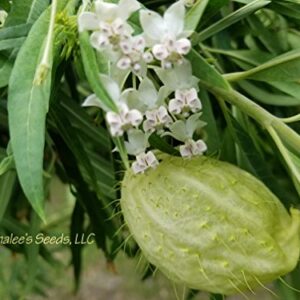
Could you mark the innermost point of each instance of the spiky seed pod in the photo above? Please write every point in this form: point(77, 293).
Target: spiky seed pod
point(210, 225)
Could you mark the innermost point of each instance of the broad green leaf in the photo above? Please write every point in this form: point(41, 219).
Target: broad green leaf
point(194, 15)
point(232, 18)
point(25, 11)
point(28, 97)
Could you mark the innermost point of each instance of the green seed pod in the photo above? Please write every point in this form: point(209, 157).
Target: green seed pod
point(210, 225)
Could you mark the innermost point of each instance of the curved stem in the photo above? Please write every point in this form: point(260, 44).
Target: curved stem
point(284, 152)
point(262, 116)
point(292, 119)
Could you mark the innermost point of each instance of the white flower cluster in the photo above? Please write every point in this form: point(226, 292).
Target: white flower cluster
point(171, 109)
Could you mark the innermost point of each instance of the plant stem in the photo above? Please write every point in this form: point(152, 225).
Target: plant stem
point(262, 116)
point(292, 119)
point(284, 152)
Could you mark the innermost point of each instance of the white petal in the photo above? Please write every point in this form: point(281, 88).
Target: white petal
point(174, 18)
point(180, 95)
point(139, 43)
point(162, 114)
point(185, 151)
point(152, 24)
point(112, 88)
point(106, 11)
point(113, 118)
point(127, 7)
point(183, 46)
point(87, 21)
point(124, 63)
point(148, 57)
point(148, 126)
point(175, 106)
point(99, 40)
point(151, 115)
point(92, 100)
point(200, 147)
point(151, 159)
point(119, 27)
point(166, 65)
point(137, 168)
point(126, 46)
point(106, 29)
point(148, 93)
point(160, 52)
point(134, 117)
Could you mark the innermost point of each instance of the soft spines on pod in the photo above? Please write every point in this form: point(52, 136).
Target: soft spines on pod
point(210, 225)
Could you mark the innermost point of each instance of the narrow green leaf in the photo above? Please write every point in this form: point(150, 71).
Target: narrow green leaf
point(14, 31)
point(232, 18)
point(11, 43)
point(213, 139)
point(6, 164)
point(285, 67)
point(203, 70)
point(266, 97)
point(194, 15)
point(7, 184)
point(77, 229)
point(25, 11)
point(6, 66)
point(158, 143)
point(92, 71)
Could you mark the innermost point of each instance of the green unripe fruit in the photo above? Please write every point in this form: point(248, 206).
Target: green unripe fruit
point(210, 225)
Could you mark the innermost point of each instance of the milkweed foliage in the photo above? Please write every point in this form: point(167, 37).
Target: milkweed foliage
point(245, 68)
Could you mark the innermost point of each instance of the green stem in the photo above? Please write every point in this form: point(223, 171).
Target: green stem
point(262, 116)
point(292, 119)
point(284, 152)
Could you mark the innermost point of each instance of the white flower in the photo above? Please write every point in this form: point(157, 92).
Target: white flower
point(144, 161)
point(3, 16)
point(185, 101)
point(108, 22)
point(166, 34)
point(192, 148)
point(157, 119)
point(126, 117)
point(123, 120)
point(134, 56)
